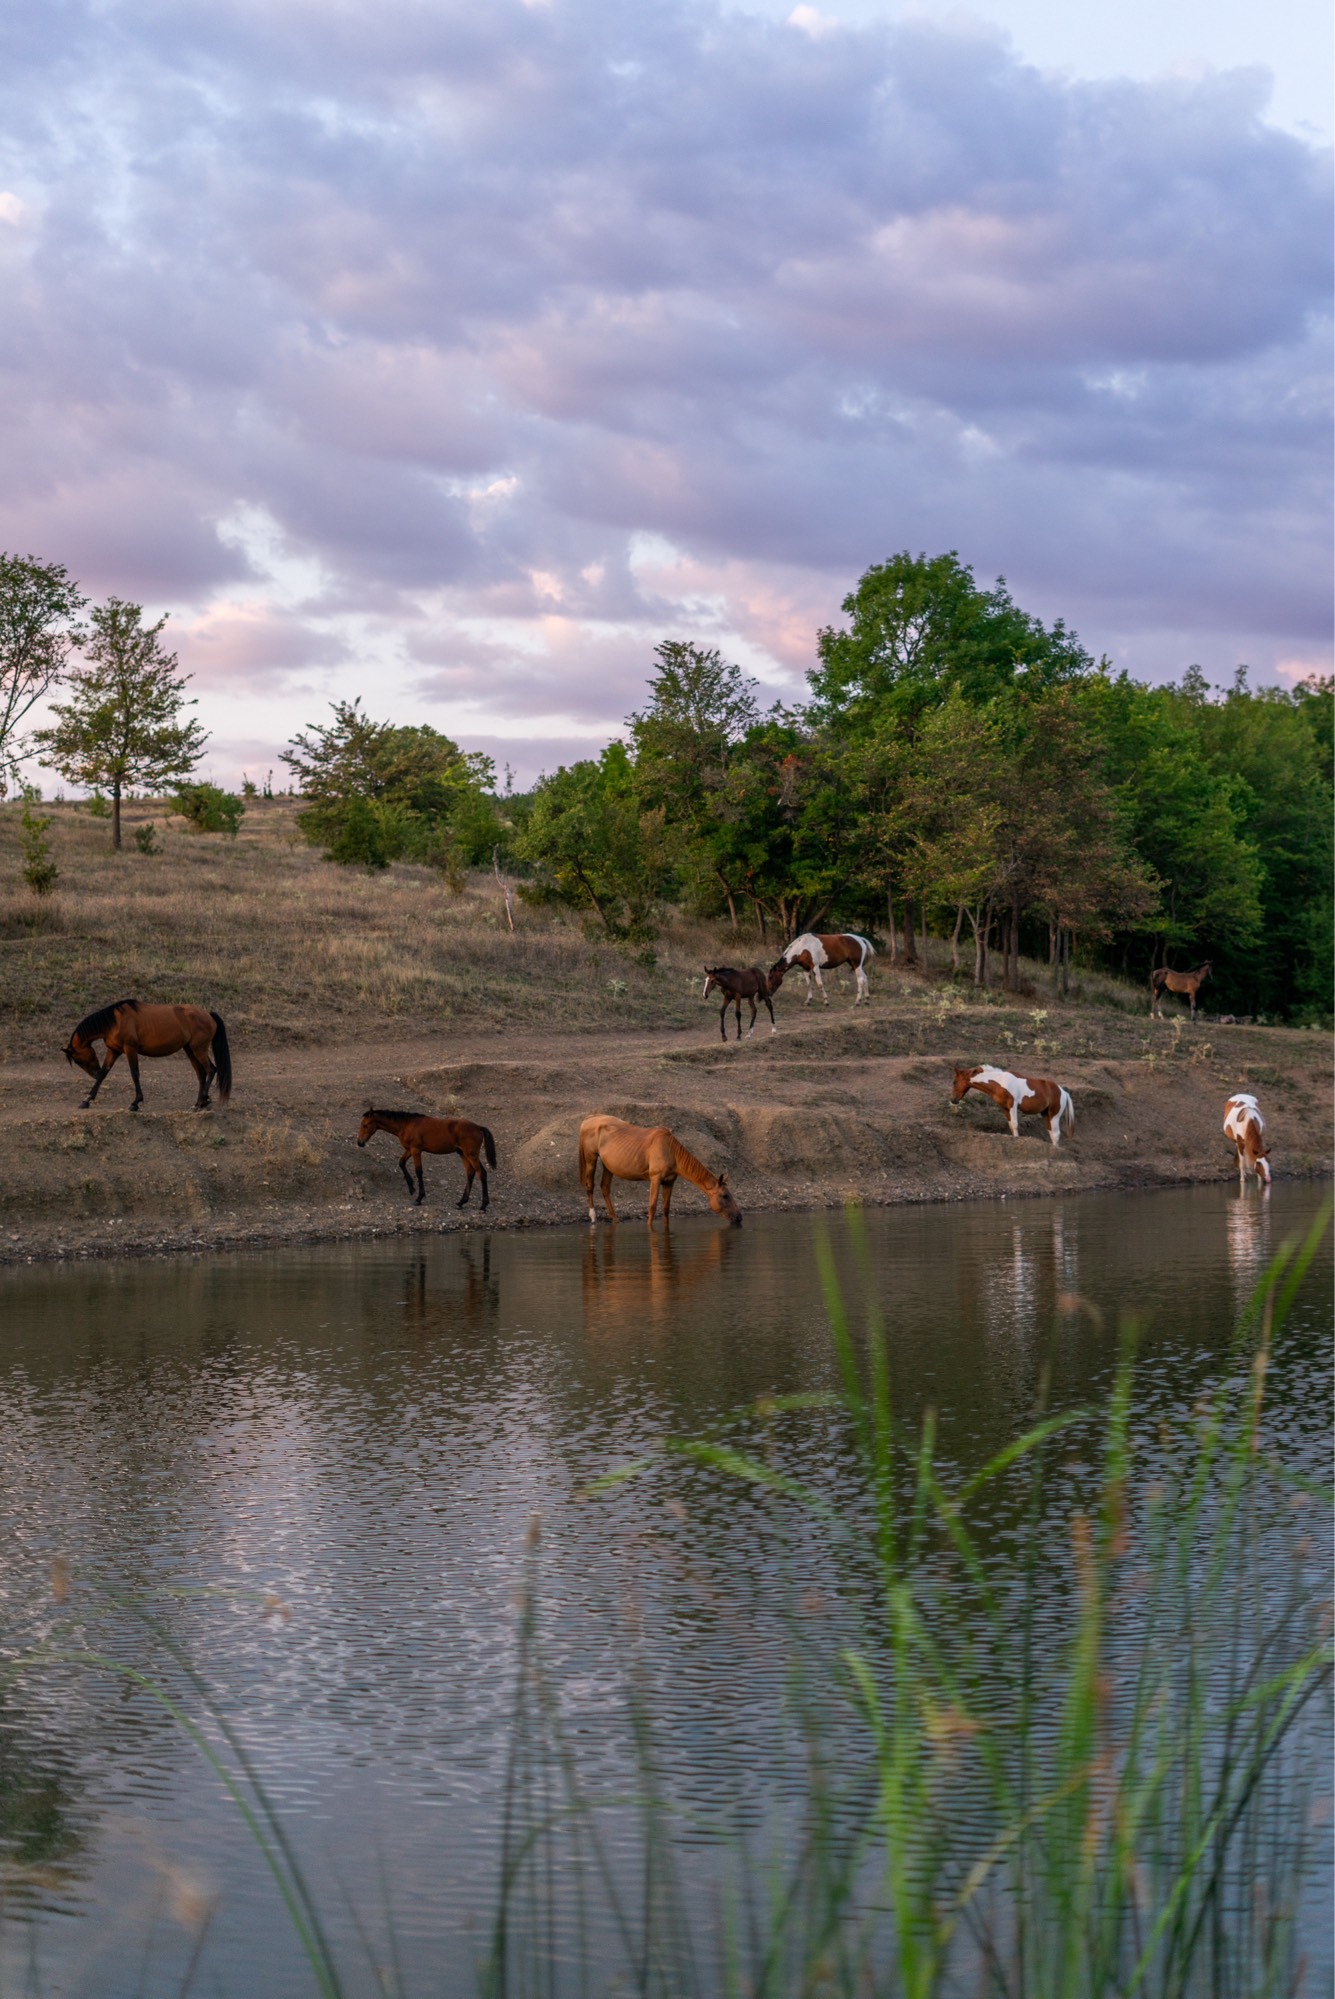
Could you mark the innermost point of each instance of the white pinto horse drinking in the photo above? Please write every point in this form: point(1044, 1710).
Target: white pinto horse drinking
point(1244, 1124)
point(1036, 1096)
point(812, 955)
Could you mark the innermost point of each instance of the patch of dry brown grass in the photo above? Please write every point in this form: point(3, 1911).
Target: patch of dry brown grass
point(282, 942)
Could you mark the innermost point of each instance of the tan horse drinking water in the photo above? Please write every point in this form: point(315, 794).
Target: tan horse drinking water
point(643, 1152)
point(133, 1028)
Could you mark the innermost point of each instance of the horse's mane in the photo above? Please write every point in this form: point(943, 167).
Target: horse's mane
point(393, 1118)
point(97, 1023)
point(692, 1168)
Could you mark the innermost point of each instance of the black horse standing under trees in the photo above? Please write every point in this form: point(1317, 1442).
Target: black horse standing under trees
point(752, 985)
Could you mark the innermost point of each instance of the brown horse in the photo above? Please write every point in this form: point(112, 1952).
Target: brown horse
point(810, 954)
point(1190, 983)
point(751, 985)
point(1034, 1095)
point(417, 1134)
point(1244, 1124)
point(133, 1028)
point(642, 1152)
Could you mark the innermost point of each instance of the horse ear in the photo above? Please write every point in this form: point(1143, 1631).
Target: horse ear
point(723, 1179)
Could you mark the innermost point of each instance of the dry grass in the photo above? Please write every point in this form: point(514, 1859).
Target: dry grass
point(281, 941)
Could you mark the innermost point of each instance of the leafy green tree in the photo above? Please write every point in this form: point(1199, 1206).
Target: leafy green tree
point(376, 792)
point(39, 869)
point(920, 625)
point(592, 845)
point(39, 612)
point(122, 726)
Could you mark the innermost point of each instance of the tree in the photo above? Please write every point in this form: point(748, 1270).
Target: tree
point(123, 725)
point(685, 744)
point(376, 792)
point(39, 609)
point(592, 845)
point(920, 625)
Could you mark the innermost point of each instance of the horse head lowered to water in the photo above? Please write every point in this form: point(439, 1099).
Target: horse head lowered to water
point(1244, 1124)
point(646, 1152)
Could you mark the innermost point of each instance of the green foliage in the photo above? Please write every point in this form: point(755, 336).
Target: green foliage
point(39, 612)
point(146, 838)
point(97, 807)
point(377, 793)
point(123, 725)
point(592, 844)
point(39, 870)
point(207, 808)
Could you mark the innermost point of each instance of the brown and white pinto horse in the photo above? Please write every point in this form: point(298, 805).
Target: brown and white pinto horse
point(1034, 1095)
point(1190, 983)
point(132, 1028)
point(1244, 1124)
point(812, 955)
point(644, 1152)
point(752, 984)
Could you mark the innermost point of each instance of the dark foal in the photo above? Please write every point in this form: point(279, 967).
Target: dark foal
point(753, 984)
point(418, 1134)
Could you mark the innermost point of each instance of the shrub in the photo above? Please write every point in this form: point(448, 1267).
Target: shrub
point(39, 870)
point(146, 838)
point(207, 808)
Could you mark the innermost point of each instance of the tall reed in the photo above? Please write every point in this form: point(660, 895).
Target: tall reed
point(1042, 1766)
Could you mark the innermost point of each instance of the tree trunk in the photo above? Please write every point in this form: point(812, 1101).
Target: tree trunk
point(955, 939)
point(922, 915)
point(910, 949)
point(116, 815)
point(890, 918)
point(977, 929)
point(732, 907)
point(984, 936)
point(1013, 951)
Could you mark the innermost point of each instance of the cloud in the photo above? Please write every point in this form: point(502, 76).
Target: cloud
point(534, 334)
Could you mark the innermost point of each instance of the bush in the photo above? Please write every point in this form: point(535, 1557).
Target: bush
point(39, 870)
point(146, 838)
point(359, 838)
point(207, 808)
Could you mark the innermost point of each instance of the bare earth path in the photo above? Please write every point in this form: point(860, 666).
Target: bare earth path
point(841, 1104)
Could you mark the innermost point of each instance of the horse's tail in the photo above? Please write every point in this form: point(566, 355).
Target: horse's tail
point(868, 948)
point(588, 1162)
point(1065, 1111)
point(222, 1056)
point(490, 1144)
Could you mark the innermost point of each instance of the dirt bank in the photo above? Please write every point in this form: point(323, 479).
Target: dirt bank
point(839, 1105)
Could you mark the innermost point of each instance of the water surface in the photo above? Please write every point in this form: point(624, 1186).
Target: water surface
point(366, 1433)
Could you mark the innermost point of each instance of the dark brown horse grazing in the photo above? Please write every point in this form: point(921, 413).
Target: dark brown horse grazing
point(752, 984)
point(418, 1134)
point(133, 1028)
point(809, 953)
point(646, 1152)
point(1190, 983)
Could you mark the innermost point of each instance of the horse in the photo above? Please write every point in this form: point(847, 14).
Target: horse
point(418, 1133)
point(132, 1028)
point(641, 1152)
point(1244, 1124)
point(1034, 1095)
point(752, 985)
point(810, 954)
point(1190, 983)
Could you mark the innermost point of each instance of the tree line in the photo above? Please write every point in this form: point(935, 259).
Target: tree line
point(959, 768)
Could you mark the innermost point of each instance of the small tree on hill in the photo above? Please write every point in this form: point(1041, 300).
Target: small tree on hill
point(39, 607)
point(123, 725)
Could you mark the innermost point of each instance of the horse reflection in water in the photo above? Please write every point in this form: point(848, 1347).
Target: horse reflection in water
point(432, 1301)
point(1247, 1224)
point(645, 1276)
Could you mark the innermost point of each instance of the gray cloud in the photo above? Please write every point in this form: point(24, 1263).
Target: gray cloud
point(466, 303)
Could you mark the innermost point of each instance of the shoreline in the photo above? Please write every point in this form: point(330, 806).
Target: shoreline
point(841, 1106)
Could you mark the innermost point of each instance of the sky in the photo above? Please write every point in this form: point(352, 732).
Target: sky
point(453, 356)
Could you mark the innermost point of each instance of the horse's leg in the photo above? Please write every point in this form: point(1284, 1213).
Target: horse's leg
point(421, 1183)
point(403, 1168)
point(132, 1063)
point(825, 997)
point(486, 1197)
point(668, 1185)
point(737, 1008)
point(751, 1002)
point(723, 1019)
point(471, 1168)
point(607, 1191)
point(102, 1075)
point(769, 1004)
point(656, 1179)
point(807, 976)
point(203, 1072)
point(1014, 1115)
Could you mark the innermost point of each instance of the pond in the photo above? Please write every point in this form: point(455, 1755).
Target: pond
point(335, 1455)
